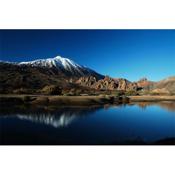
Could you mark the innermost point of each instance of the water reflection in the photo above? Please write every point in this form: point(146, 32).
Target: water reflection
point(167, 105)
point(49, 119)
point(133, 123)
point(55, 117)
point(62, 117)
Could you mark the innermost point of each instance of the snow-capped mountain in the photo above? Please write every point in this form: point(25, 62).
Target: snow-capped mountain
point(40, 73)
point(64, 65)
point(57, 62)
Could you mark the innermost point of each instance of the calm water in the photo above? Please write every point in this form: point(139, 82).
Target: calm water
point(141, 123)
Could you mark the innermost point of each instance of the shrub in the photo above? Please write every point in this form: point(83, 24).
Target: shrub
point(130, 93)
point(78, 92)
point(26, 98)
point(118, 93)
point(22, 91)
point(52, 90)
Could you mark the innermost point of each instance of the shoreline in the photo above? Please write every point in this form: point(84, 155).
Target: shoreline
point(49, 100)
point(54, 100)
point(148, 98)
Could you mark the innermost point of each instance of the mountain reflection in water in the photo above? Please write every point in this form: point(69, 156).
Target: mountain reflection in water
point(59, 117)
point(170, 106)
point(62, 117)
point(128, 124)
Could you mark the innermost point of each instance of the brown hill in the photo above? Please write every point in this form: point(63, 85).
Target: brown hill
point(145, 83)
point(20, 78)
point(107, 83)
point(33, 79)
point(166, 86)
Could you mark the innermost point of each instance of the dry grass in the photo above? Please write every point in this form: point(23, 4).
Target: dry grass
point(58, 100)
point(75, 100)
point(151, 98)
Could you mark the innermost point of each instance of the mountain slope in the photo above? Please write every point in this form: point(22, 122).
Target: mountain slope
point(64, 65)
point(166, 86)
point(107, 83)
point(35, 75)
point(14, 77)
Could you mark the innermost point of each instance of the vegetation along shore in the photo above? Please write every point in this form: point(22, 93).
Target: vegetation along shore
point(77, 100)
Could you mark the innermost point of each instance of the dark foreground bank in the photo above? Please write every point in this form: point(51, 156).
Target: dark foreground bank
point(77, 100)
point(60, 100)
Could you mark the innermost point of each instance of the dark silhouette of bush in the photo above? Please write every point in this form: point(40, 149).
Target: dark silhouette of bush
point(27, 99)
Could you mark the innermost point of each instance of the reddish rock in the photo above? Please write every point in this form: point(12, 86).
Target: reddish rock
point(107, 83)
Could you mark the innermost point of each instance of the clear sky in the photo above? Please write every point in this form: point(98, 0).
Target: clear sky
point(130, 54)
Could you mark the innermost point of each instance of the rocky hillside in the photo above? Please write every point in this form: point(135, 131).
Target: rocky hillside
point(107, 83)
point(33, 76)
point(145, 84)
point(58, 74)
point(16, 78)
point(63, 65)
point(166, 86)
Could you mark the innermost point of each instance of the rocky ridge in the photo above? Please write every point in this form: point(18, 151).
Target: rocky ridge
point(107, 83)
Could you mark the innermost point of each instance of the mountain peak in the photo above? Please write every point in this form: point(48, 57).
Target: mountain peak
point(62, 64)
point(58, 62)
point(59, 58)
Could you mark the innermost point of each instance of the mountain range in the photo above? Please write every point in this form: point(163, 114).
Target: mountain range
point(34, 76)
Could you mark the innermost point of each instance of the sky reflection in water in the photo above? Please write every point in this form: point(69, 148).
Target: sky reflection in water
point(148, 122)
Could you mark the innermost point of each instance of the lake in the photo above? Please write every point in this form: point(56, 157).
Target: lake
point(126, 124)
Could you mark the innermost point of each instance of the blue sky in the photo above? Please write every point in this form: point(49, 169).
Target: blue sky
point(130, 54)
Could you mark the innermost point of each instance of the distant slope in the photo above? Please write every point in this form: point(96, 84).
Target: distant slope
point(107, 83)
point(145, 84)
point(165, 86)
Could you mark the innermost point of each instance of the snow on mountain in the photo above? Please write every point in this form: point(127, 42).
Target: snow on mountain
point(57, 61)
point(65, 65)
point(61, 63)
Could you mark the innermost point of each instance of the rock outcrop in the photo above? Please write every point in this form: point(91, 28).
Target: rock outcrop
point(166, 86)
point(107, 83)
point(86, 81)
point(145, 84)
